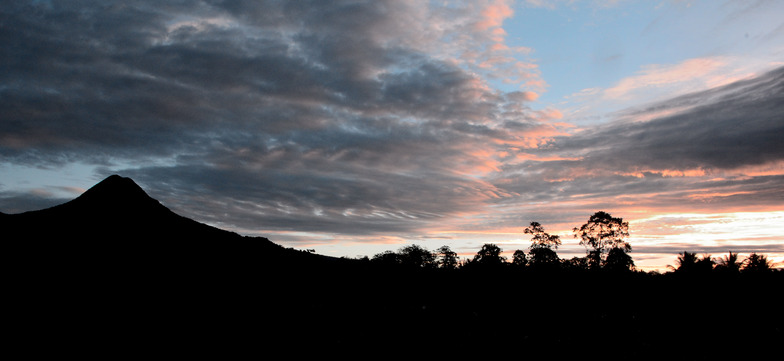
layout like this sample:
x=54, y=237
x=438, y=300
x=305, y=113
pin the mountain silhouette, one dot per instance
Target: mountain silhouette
x=115, y=269
x=117, y=227
x=116, y=209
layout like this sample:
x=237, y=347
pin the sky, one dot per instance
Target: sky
x=357, y=127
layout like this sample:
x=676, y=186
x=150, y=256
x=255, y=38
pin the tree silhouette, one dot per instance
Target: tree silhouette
x=413, y=256
x=577, y=263
x=446, y=258
x=543, y=246
x=757, y=264
x=618, y=260
x=729, y=263
x=705, y=264
x=387, y=258
x=541, y=238
x=687, y=262
x=601, y=234
x=519, y=259
x=416, y=256
x=489, y=255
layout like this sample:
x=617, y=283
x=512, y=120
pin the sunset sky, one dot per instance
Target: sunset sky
x=356, y=127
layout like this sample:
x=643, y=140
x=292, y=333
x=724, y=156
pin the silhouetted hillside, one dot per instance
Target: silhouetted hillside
x=114, y=209
x=115, y=230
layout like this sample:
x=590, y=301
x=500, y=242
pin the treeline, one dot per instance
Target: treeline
x=603, y=235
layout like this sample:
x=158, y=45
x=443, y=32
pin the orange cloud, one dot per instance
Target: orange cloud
x=697, y=172
x=494, y=15
x=537, y=158
x=712, y=195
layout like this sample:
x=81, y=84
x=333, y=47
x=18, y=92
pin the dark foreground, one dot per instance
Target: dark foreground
x=113, y=273
x=216, y=304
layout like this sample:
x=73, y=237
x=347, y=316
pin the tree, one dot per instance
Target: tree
x=543, y=246
x=386, y=258
x=416, y=256
x=618, y=260
x=519, y=259
x=577, y=263
x=446, y=258
x=601, y=234
x=729, y=263
x=541, y=238
x=757, y=263
x=489, y=255
x=687, y=262
x=543, y=256
x=705, y=264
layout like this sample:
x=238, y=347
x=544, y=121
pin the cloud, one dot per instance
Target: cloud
x=494, y=14
x=673, y=76
x=717, y=149
x=320, y=116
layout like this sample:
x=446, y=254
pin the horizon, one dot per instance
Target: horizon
x=357, y=128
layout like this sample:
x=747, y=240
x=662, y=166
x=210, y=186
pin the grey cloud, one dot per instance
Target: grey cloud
x=317, y=115
x=16, y=202
x=736, y=125
x=113, y=77
x=305, y=199
x=702, y=155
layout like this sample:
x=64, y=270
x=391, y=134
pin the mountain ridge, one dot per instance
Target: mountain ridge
x=116, y=206
x=115, y=223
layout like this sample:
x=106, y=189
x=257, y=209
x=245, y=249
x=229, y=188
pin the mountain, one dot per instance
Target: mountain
x=115, y=225
x=116, y=209
x=114, y=269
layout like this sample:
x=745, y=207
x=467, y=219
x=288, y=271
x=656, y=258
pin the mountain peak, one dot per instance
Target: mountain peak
x=115, y=208
x=116, y=182
x=118, y=190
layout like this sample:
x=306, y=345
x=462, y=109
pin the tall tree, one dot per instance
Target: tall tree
x=543, y=246
x=601, y=234
x=541, y=238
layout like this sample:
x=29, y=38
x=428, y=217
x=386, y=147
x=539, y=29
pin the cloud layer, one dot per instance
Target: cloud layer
x=308, y=115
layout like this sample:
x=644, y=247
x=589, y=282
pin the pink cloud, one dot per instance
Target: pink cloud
x=494, y=14
x=653, y=76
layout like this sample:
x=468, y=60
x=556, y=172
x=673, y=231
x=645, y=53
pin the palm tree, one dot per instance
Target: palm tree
x=757, y=263
x=704, y=264
x=687, y=262
x=729, y=263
